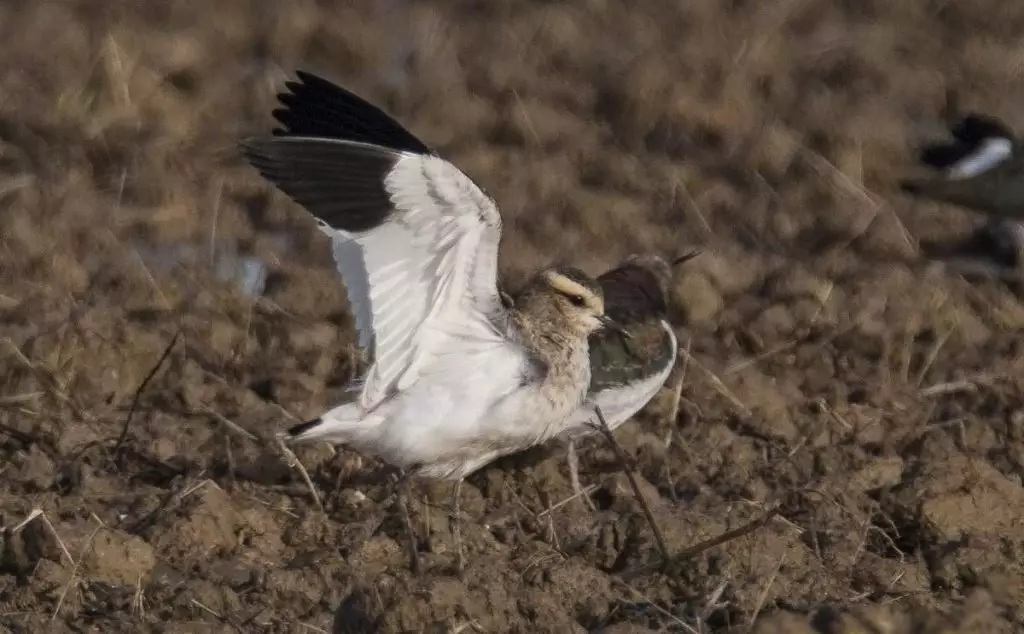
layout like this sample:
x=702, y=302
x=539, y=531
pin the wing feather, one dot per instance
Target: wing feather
x=427, y=246
x=348, y=256
x=414, y=239
x=317, y=107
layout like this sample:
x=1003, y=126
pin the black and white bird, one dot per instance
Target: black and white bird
x=458, y=378
x=981, y=146
x=980, y=169
x=627, y=372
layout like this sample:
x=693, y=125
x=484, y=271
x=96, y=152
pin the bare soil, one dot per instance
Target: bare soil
x=163, y=313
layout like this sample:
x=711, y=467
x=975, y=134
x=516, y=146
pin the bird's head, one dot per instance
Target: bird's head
x=659, y=266
x=566, y=298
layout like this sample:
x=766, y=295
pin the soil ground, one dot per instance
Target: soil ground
x=163, y=313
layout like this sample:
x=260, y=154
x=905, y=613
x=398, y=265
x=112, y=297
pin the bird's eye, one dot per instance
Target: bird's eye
x=577, y=300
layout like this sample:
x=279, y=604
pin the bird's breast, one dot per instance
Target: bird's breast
x=567, y=380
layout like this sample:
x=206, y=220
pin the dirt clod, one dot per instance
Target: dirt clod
x=119, y=559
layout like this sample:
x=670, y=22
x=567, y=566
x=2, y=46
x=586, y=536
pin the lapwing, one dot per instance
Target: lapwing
x=980, y=169
x=627, y=372
x=458, y=378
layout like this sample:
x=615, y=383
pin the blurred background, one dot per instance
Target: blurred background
x=163, y=311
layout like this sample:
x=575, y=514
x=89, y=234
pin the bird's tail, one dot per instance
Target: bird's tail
x=345, y=424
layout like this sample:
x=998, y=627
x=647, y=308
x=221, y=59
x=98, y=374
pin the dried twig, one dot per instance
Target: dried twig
x=963, y=385
x=658, y=608
x=585, y=491
x=602, y=427
x=765, y=590
x=139, y=600
x=696, y=549
x=207, y=609
x=138, y=394
x=294, y=463
x=720, y=385
x=74, y=569
x=933, y=355
x=230, y=424
x=38, y=512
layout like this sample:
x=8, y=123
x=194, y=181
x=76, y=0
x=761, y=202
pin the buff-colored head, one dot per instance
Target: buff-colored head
x=566, y=298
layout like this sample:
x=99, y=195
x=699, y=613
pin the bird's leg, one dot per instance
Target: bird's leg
x=456, y=527
x=402, y=500
x=574, y=476
x=602, y=426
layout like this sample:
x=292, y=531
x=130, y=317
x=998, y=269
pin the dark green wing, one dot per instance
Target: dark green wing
x=616, y=360
x=635, y=299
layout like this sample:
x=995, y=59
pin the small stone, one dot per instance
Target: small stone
x=36, y=470
x=783, y=623
x=163, y=449
x=880, y=473
x=352, y=498
x=776, y=321
x=376, y=555
x=697, y=297
x=231, y=573
x=119, y=559
x=798, y=282
x=208, y=528
x=314, y=454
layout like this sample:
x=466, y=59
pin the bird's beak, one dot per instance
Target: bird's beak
x=611, y=324
x=685, y=257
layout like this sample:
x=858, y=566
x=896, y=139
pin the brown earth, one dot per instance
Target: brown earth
x=873, y=398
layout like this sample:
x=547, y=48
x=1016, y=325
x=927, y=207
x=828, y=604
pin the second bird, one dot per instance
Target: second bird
x=981, y=168
x=627, y=372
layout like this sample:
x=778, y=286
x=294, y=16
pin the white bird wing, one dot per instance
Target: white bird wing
x=989, y=154
x=415, y=240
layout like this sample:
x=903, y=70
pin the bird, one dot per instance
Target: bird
x=982, y=170
x=458, y=377
x=627, y=372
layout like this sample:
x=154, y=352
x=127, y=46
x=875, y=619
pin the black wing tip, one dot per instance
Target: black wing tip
x=295, y=431
x=309, y=77
x=314, y=106
x=943, y=155
x=969, y=132
x=306, y=82
x=304, y=79
x=976, y=128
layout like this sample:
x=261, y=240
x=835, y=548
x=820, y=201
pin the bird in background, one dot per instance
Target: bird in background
x=627, y=372
x=982, y=169
x=458, y=378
